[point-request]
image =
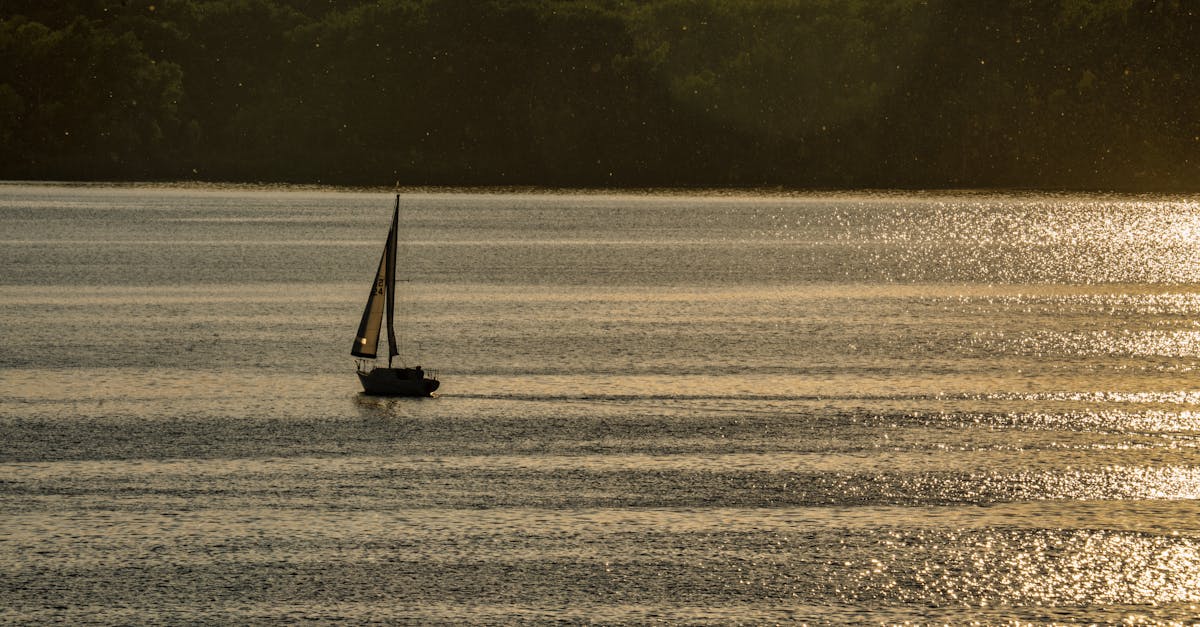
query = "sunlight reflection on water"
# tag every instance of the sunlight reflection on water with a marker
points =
(714, 408)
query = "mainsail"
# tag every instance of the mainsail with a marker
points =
(381, 300)
(389, 253)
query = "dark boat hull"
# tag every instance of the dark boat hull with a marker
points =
(397, 382)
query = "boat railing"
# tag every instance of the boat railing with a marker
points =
(365, 366)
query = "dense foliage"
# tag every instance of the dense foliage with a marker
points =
(829, 93)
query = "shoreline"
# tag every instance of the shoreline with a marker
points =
(765, 191)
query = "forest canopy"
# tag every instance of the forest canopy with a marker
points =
(1077, 94)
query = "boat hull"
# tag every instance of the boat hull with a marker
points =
(397, 382)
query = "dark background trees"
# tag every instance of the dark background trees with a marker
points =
(1097, 94)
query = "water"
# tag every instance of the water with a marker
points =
(705, 408)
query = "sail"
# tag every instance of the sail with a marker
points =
(382, 300)
(389, 253)
(367, 341)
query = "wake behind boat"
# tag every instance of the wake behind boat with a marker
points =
(381, 306)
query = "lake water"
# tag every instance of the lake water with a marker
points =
(660, 407)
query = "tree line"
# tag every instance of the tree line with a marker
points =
(1083, 94)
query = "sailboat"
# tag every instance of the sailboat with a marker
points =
(381, 306)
